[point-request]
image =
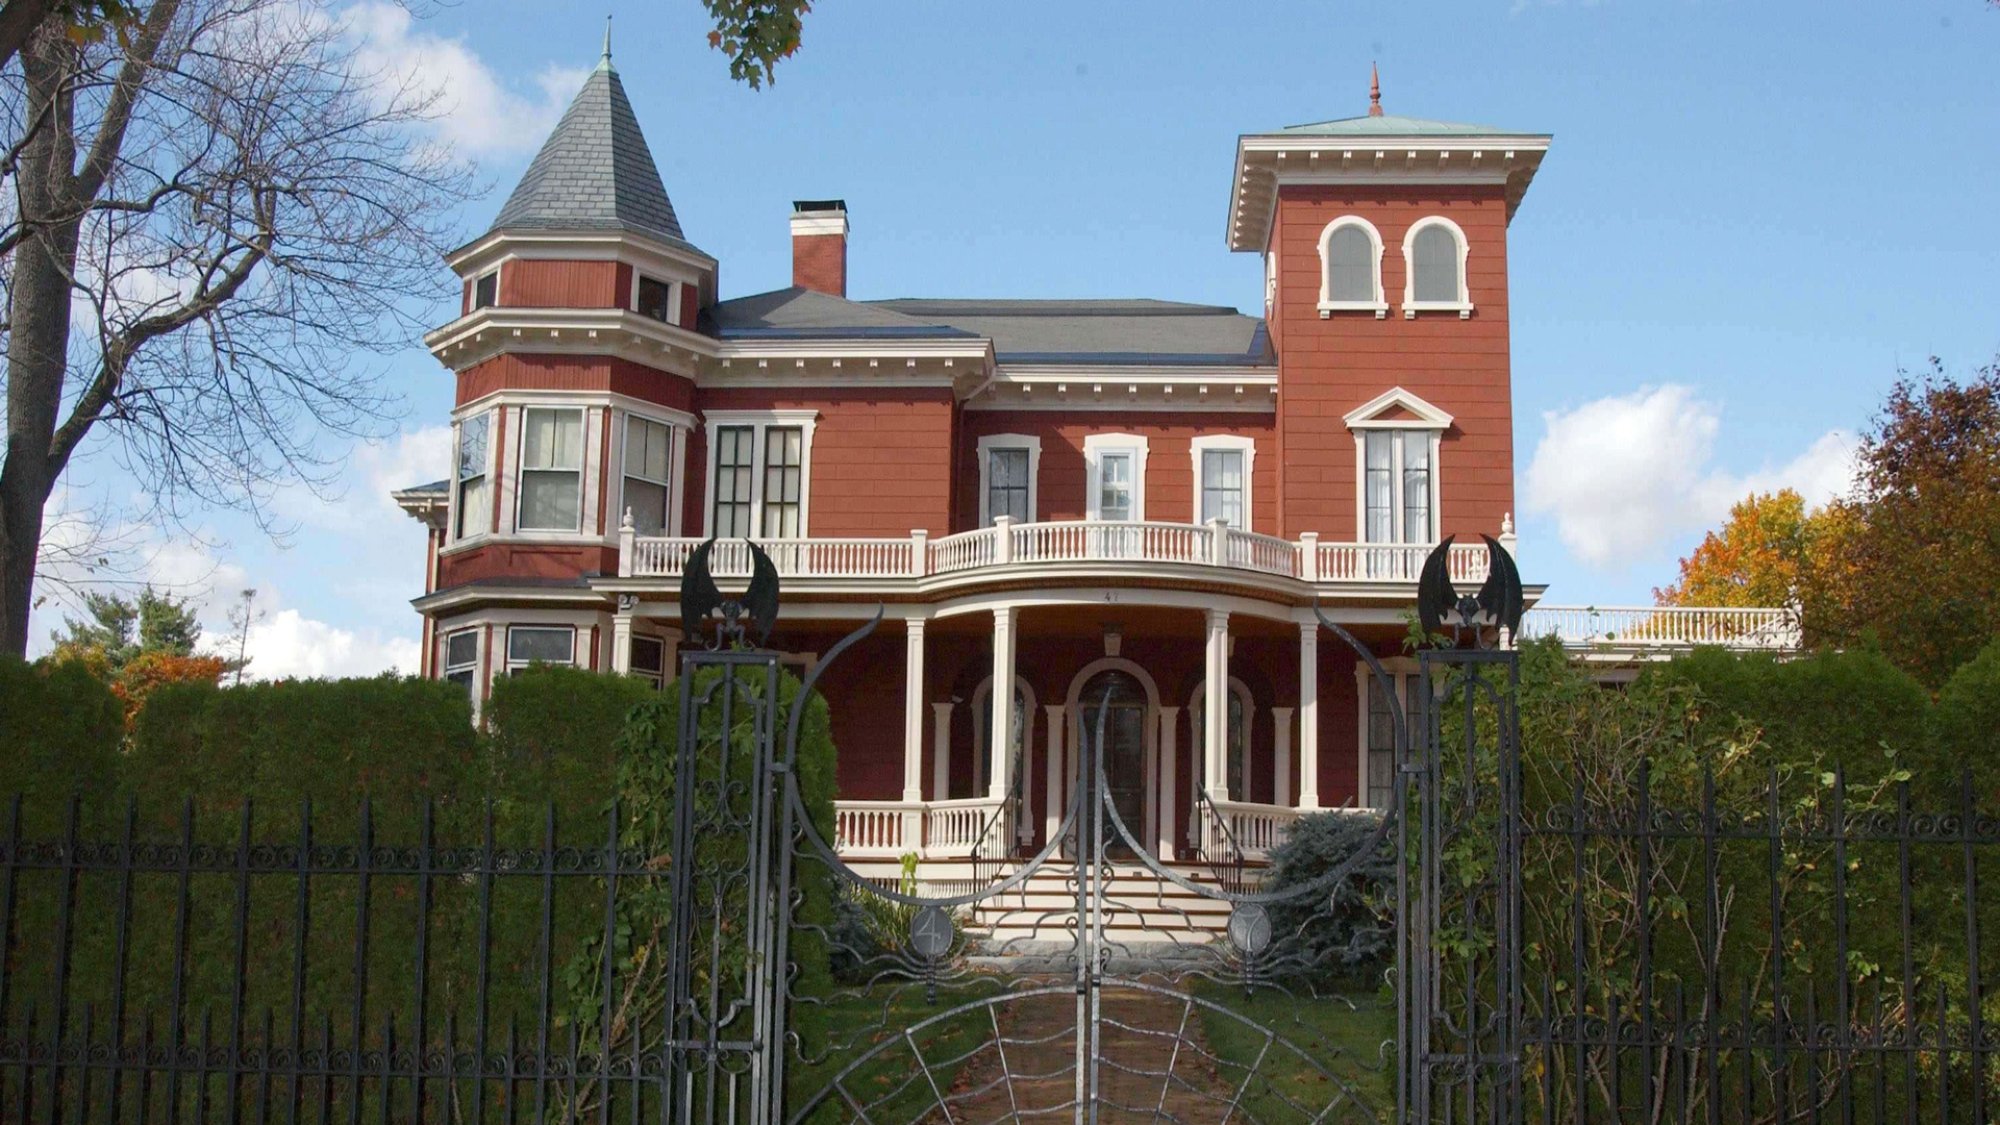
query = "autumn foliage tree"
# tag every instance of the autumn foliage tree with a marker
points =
(1753, 559)
(1913, 554)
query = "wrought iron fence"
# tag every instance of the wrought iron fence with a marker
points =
(1760, 950)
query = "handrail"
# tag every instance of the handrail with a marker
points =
(1664, 627)
(1229, 836)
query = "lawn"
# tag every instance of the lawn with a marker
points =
(1345, 1034)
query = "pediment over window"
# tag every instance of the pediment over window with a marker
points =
(1397, 409)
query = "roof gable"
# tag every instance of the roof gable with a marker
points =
(594, 172)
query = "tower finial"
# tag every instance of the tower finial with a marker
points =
(606, 60)
(1374, 89)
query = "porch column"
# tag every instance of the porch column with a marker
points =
(1215, 708)
(1054, 748)
(1281, 756)
(621, 636)
(1309, 714)
(941, 751)
(1000, 746)
(1164, 813)
(913, 709)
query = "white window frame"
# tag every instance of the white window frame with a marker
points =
(1230, 443)
(479, 277)
(1327, 305)
(759, 421)
(1402, 671)
(676, 463)
(1418, 415)
(986, 446)
(674, 296)
(584, 511)
(512, 665)
(1412, 306)
(1095, 446)
(446, 668)
(491, 475)
(664, 674)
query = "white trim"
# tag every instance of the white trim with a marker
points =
(759, 421)
(507, 661)
(1197, 743)
(1030, 442)
(819, 224)
(1095, 446)
(677, 437)
(1238, 443)
(674, 296)
(1412, 306)
(473, 305)
(520, 444)
(1396, 483)
(625, 246)
(518, 397)
(1401, 670)
(1428, 417)
(1380, 305)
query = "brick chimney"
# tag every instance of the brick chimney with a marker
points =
(819, 245)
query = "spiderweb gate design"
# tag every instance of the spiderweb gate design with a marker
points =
(1090, 982)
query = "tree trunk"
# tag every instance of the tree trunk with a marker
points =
(38, 344)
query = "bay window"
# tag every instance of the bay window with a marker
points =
(540, 644)
(472, 501)
(649, 447)
(551, 469)
(461, 658)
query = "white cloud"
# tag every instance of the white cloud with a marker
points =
(375, 470)
(478, 114)
(1625, 474)
(289, 644)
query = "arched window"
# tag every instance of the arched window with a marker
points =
(1434, 252)
(1350, 258)
(1238, 771)
(1024, 714)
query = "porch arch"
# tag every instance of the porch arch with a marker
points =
(1149, 733)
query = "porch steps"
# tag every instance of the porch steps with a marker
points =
(1140, 908)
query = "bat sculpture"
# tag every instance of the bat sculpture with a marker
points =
(748, 617)
(1498, 601)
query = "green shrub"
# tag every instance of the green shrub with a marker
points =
(60, 727)
(555, 731)
(1965, 725)
(1347, 929)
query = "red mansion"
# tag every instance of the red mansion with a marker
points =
(1063, 497)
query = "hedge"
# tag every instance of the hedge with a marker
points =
(59, 732)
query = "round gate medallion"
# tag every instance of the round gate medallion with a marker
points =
(1250, 928)
(930, 933)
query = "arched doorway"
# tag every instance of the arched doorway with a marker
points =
(1118, 699)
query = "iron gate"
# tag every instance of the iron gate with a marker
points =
(1094, 980)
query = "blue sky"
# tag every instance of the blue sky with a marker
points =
(1752, 215)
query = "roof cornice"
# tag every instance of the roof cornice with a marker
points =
(1265, 161)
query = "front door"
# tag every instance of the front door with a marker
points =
(1124, 706)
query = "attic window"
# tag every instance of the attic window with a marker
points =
(486, 290)
(655, 299)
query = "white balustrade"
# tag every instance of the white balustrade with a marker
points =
(953, 828)
(1264, 553)
(1641, 628)
(1254, 829)
(875, 828)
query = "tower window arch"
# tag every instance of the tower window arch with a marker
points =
(1434, 253)
(1350, 259)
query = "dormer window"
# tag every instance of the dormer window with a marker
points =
(655, 299)
(1434, 253)
(486, 290)
(1350, 258)
(1397, 438)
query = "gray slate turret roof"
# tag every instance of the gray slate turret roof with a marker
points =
(594, 173)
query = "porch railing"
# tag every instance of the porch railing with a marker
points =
(1008, 544)
(1663, 628)
(932, 829)
(1233, 828)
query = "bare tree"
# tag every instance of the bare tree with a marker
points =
(217, 222)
